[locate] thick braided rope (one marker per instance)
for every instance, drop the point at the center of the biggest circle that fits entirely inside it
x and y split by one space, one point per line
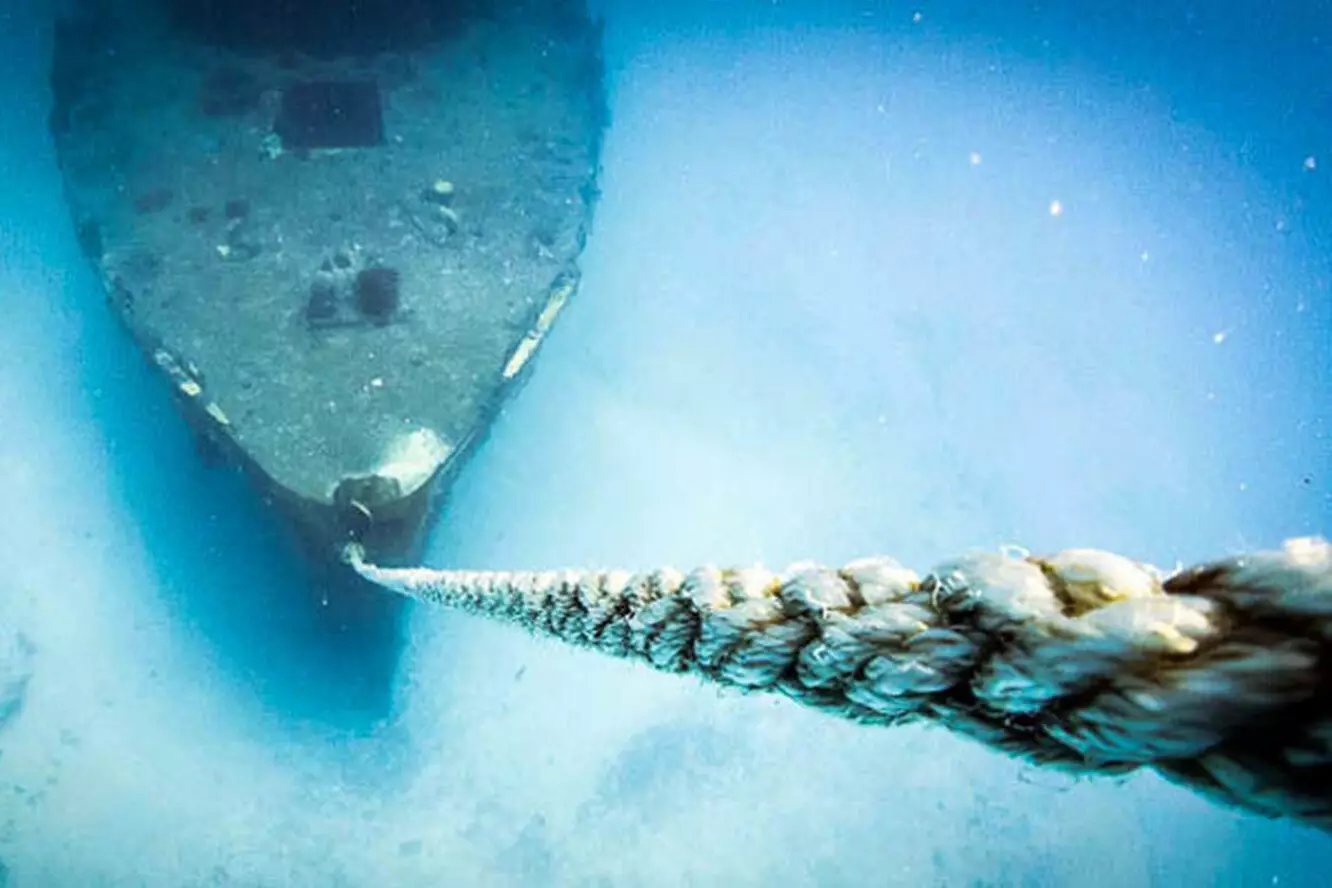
1217 675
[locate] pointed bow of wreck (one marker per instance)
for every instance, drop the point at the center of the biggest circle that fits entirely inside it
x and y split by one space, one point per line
341 246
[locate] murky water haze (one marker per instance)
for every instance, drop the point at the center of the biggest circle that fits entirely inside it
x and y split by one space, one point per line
858 284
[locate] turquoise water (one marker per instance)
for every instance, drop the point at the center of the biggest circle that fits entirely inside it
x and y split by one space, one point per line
865 278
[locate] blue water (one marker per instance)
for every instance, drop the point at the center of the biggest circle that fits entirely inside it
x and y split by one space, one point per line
859 283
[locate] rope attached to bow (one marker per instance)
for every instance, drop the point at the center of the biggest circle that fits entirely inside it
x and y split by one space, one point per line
1219 676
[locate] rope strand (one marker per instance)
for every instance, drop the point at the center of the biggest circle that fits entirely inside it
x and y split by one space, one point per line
1218 675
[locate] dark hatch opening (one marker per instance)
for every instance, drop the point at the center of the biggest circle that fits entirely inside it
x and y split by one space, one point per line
330 114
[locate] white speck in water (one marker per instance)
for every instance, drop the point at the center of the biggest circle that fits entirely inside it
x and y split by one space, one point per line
1220 336
1056 208
975 158
917 18
1145 256
1310 163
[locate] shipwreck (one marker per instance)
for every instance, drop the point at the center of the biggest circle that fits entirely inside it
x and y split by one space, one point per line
339 230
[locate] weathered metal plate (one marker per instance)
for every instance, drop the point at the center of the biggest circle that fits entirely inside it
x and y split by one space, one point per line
344 322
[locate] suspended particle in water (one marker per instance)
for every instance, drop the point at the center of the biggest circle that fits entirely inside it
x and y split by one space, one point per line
1056 208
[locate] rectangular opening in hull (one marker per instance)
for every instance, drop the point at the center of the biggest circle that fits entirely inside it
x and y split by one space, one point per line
330 114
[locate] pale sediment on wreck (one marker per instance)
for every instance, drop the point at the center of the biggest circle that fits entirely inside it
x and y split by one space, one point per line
342 263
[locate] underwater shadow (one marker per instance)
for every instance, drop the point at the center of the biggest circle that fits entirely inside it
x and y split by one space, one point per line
310 641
